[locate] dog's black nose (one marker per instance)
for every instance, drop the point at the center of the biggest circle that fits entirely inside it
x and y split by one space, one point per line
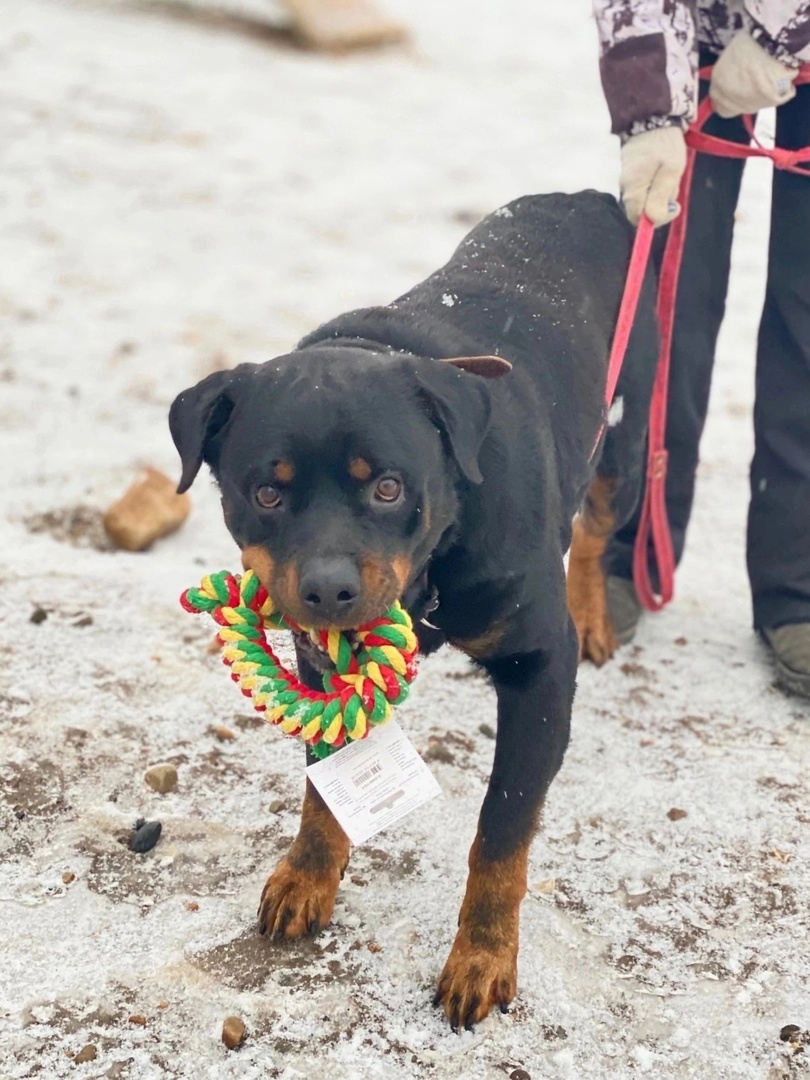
330 588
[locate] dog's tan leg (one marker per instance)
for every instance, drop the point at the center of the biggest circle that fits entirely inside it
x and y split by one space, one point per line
587 595
481 971
299 896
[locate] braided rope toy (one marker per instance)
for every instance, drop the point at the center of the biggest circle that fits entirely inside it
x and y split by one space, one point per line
373 669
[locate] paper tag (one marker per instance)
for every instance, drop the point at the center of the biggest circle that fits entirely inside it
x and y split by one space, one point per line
370 784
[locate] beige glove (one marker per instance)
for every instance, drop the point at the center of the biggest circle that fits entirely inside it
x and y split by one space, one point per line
652 167
746 79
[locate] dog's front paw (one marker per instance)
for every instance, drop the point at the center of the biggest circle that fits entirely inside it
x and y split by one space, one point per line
296 901
475 979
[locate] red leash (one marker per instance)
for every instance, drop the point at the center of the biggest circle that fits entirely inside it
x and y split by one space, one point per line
654 523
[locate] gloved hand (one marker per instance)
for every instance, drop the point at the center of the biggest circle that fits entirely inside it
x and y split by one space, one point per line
652 166
746 79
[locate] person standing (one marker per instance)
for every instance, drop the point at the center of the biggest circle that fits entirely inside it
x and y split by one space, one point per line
651 51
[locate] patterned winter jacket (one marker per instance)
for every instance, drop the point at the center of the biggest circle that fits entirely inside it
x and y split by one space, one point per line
649 50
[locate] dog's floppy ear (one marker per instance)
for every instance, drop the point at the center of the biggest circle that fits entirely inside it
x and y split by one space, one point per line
460 404
199 414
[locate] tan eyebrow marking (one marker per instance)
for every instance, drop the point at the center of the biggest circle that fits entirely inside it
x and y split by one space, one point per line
359 468
283 471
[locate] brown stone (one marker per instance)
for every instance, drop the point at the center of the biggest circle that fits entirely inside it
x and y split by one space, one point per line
87 1053
147 510
676 814
68 877
351 24
223 733
233 1032
163 1004
161 778
138 1019
192 905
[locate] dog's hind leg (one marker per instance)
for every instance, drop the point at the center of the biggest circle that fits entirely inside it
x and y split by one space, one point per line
299 896
609 504
613 494
586 582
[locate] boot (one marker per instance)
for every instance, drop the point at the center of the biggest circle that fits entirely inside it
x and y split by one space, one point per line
790 645
624 608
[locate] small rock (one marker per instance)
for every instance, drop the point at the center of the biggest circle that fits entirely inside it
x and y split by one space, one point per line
374 947
487 730
87 1053
163 1004
681 641
192 905
68 877
145 837
357 880
519 1074
139 1019
119 1070
161 778
676 814
790 1033
82 621
223 733
149 509
276 806
547 886
233 1032
38 615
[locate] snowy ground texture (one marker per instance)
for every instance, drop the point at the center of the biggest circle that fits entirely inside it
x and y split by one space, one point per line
179 194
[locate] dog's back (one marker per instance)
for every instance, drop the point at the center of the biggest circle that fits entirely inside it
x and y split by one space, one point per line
539 282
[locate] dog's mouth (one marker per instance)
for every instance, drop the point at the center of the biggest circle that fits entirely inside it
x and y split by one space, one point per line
307 643
383 582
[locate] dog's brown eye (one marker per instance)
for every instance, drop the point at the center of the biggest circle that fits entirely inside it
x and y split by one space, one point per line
388 489
268 497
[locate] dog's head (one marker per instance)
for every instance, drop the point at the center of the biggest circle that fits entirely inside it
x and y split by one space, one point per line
339 469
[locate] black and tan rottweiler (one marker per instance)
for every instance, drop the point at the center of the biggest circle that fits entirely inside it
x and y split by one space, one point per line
445 450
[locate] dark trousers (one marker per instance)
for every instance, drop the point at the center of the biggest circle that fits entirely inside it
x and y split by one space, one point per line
779 514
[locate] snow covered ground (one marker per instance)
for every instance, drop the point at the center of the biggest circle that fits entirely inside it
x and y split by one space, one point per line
179 194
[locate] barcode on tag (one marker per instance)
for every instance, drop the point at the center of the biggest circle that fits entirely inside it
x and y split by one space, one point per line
372 784
359 779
